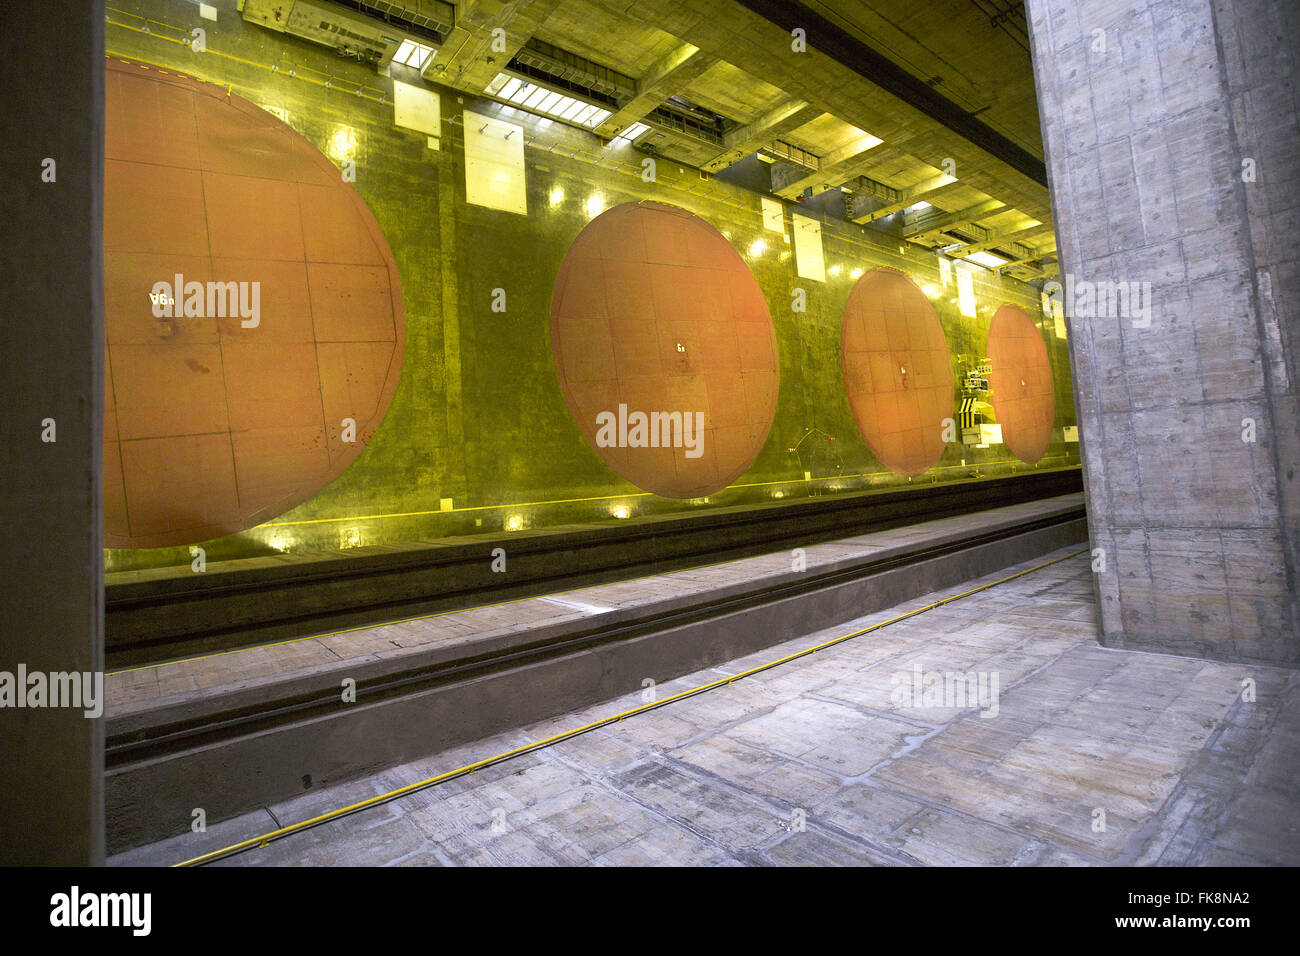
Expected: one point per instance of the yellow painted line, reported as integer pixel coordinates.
(282, 832)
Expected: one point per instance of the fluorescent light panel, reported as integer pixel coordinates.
(986, 259)
(577, 107)
(530, 96)
(410, 53)
(632, 132)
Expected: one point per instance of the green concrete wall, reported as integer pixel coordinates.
(478, 416)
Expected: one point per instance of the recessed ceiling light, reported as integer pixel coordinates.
(410, 53)
(987, 260)
(632, 132)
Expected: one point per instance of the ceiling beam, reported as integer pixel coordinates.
(1049, 269)
(731, 31)
(933, 188)
(849, 51)
(840, 165)
(1036, 257)
(668, 75)
(466, 59)
(1012, 235)
(935, 224)
(775, 123)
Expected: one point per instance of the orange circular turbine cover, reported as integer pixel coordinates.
(253, 314)
(664, 349)
(896, 370)
(1020, 382)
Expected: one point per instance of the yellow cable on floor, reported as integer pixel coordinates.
(264, 839)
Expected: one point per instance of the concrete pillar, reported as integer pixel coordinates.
(1170, 130)
(51, 346)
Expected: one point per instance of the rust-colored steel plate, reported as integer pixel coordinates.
(1020, 381)
(654, 311)
(896, 370)
(214, 424)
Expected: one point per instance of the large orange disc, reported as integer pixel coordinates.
(217, 423)
(655, 313)
(897, 370)
(1020, 381)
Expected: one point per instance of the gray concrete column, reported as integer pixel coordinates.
(1171, 131)
(51, 390)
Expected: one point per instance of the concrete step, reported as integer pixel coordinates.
(170, 613)
(271, 722)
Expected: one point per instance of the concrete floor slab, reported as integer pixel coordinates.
(1095, 756)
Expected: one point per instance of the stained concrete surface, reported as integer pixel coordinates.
(51, 565)
(1171, 146)
(479, 418)
(1095, 756)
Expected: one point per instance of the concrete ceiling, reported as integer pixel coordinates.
(729, 91)
(824, 135)
(582, 27)
(942, 83)
(954, 47)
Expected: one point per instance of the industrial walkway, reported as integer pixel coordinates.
(1064, 752)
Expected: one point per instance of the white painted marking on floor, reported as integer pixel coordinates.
(578, 605)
